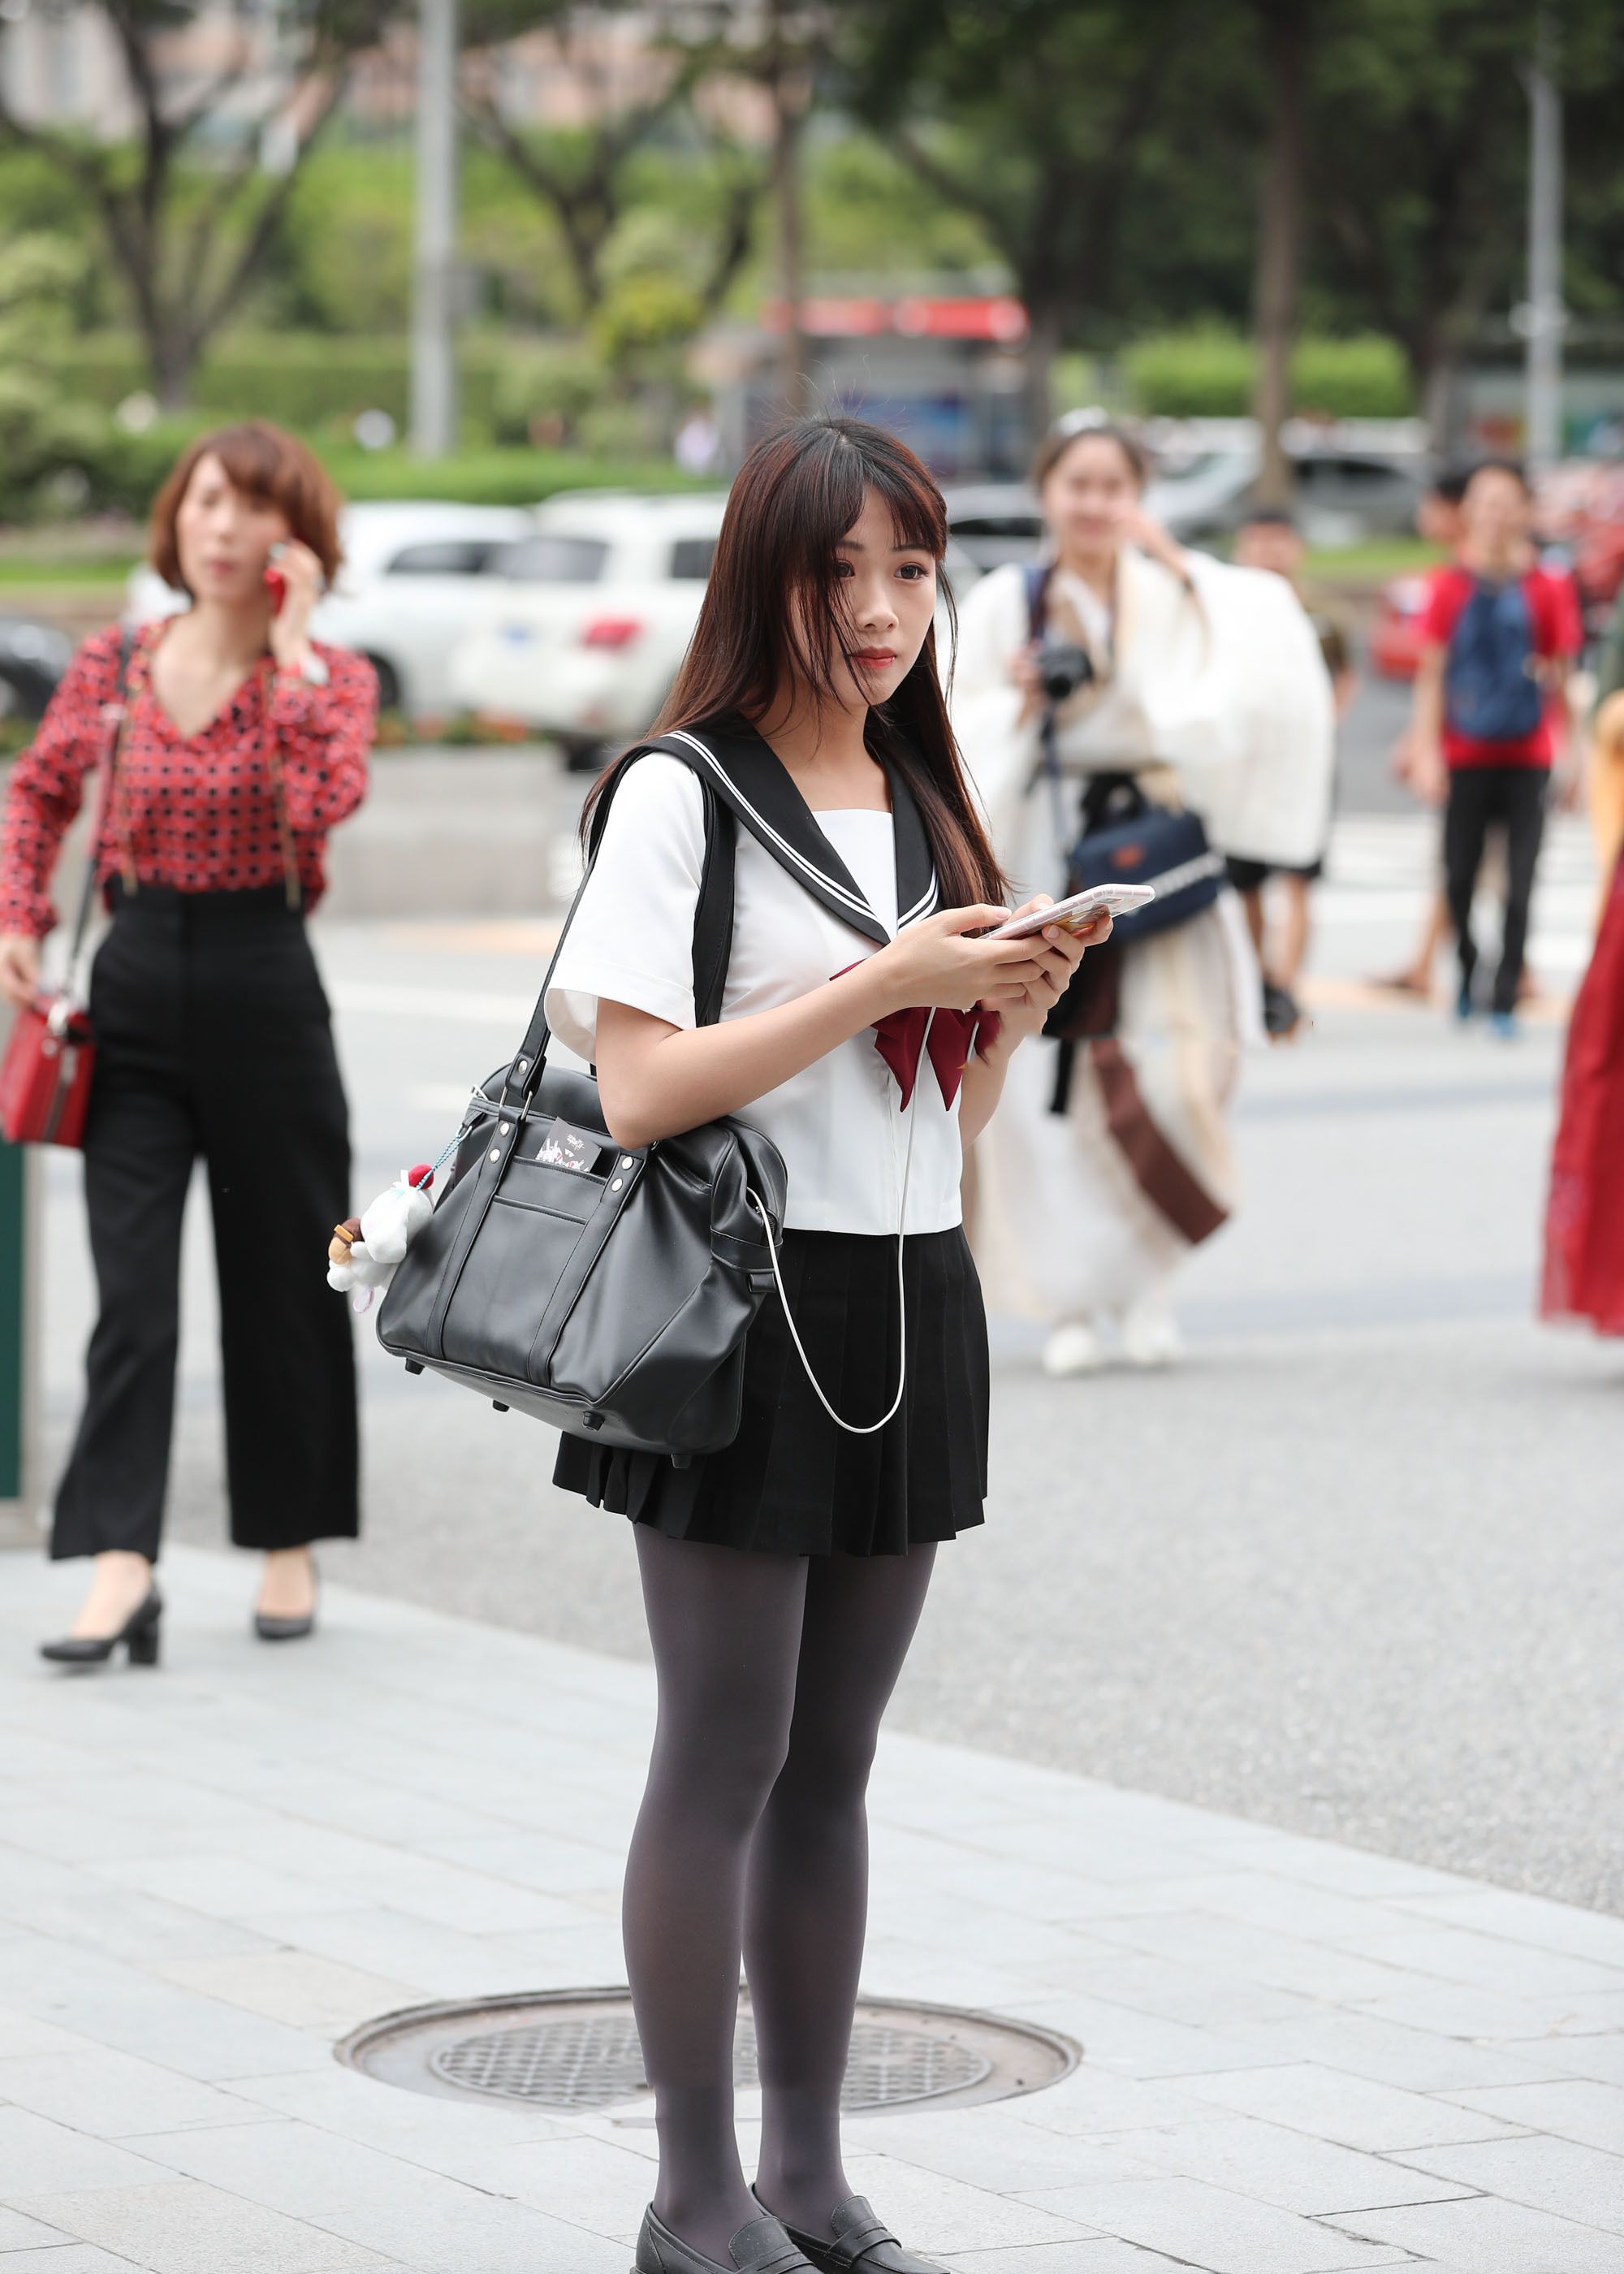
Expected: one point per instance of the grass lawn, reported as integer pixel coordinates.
(1371, 561)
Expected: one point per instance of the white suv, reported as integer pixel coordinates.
(586, 619)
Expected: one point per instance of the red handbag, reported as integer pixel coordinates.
(50, 1055)
(45, 1076)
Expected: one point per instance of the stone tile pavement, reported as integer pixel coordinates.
(1297, 2058)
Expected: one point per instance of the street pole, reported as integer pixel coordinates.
(1545, 316)
(1278, 259)
(433, 354)
(784, 74)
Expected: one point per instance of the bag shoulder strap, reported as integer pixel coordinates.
(713, 920)
(1037, 582)
(109, 771)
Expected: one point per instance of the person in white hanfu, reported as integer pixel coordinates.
(1206, 691)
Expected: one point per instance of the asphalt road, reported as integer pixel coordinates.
(1355, 1568)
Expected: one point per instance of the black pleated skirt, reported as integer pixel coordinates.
(791, 1482)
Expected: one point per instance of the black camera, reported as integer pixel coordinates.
(1063, 667)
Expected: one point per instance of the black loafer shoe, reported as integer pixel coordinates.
(860, 2245)
(761, 2245)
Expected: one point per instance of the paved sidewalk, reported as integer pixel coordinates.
(1297, 2058)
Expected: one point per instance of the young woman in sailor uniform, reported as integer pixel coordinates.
(866, 1028)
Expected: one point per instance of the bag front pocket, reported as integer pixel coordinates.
(523, 1248)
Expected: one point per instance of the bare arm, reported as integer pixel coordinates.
(978, 1100)
(1427, 724)
(655, 1079)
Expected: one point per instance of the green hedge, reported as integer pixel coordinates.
(306, 379)
(515, 476)
(1206, 372)
(127, 469)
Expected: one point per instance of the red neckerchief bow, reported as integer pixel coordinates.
(954, 1034)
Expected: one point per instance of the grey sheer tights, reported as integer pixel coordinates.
(752, 1840)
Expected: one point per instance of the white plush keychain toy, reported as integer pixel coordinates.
(364, 1250)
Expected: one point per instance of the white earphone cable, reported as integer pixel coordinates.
(865, 1428)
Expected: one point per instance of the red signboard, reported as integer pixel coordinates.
(979, 316)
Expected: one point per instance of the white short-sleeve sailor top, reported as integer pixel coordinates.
(838, 1124)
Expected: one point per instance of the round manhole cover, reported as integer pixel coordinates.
(578, 2050)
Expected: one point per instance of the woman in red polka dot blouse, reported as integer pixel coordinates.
(244, 742)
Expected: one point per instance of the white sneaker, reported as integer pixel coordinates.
(1073, 1348)
(1150, 1335)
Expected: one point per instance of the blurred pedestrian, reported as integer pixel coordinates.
(244, 742)
(1606, 753)
(1584, 1215)
(784, 1576)
(697, 448)
(1122, 671)
(1499, 638)
(1438, 522)
(1270, 539)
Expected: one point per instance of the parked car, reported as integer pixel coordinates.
(1340, 496)
(993, 523)
(33, 658)
(581, 630)
(415, 574)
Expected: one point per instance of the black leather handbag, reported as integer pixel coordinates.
(605, 1289)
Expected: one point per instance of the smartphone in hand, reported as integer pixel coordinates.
(276, 583)
(1078, 912)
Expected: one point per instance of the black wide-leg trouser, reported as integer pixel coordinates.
(213, 1038)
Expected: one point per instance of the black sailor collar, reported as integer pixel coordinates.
(748, 775)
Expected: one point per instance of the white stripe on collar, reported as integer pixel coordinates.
(830, 884)
(921, 907)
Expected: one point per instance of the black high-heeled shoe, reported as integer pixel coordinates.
(138, 1635)
(271, 1627)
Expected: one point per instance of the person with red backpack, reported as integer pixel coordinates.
(1500, 634)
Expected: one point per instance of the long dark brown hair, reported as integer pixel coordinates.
(773, 614)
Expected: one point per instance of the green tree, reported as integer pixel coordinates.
(1417, 164)
(1034, 117)
(41, 435)
(585, 177)
(187, 226)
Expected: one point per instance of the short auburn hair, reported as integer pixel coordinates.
(265, 463)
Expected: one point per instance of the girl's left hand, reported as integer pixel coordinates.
(290, 632)
(1024, 1008)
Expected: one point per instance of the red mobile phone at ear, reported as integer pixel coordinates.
(276, 583)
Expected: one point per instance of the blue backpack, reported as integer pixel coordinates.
(1490, 692)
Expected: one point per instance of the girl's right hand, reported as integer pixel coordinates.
(19, 967)
(933, 964)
